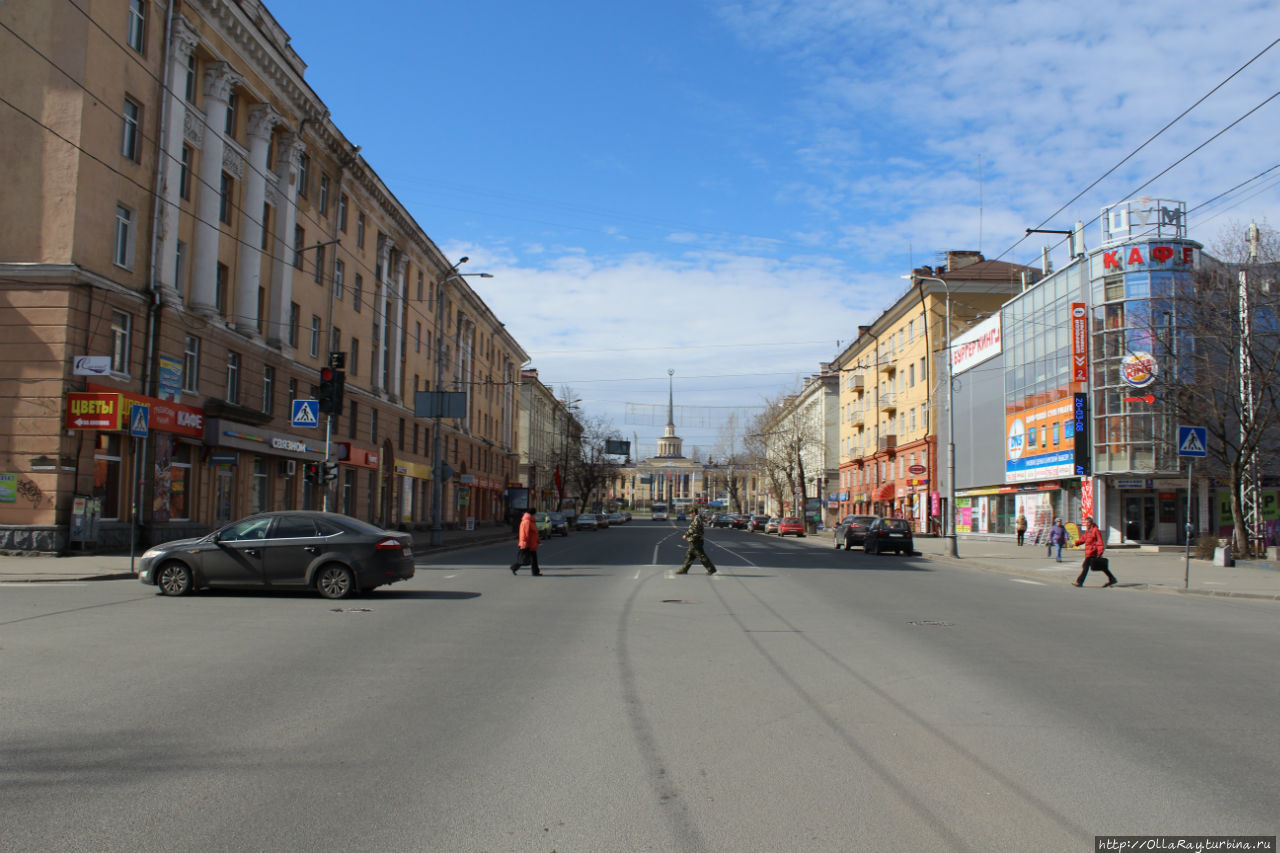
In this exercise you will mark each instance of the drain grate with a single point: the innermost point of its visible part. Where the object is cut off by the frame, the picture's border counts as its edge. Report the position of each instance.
(930, 623)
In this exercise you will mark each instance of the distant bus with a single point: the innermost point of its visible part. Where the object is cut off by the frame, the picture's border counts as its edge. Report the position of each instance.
(658, 512)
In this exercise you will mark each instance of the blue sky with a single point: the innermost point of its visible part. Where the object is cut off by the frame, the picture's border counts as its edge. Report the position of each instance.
(728, 189)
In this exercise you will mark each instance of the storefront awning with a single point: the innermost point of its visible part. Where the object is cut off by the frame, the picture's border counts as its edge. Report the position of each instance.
(887, 492)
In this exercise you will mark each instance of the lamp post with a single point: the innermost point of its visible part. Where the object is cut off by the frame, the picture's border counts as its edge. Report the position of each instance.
(437, 442)
(949, 519)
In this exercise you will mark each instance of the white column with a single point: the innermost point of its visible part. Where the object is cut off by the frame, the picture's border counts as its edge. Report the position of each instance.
(184, 41)
(397, 312)
(262, 121)
(281, 247)
(382, 307)
(218, 82)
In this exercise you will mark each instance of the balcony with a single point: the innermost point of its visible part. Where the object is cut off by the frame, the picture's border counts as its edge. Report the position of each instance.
(857, 383)
(857, 417)
(888, 402)
(888, 368)
(888, 442)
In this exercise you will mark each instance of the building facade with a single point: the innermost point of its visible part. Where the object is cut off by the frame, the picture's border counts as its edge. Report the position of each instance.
(191, 234)
(550, 436)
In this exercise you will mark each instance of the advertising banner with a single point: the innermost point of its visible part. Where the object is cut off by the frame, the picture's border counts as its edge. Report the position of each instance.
(1040, 442)
(976, 345)
(1079, 342)
(91, 410)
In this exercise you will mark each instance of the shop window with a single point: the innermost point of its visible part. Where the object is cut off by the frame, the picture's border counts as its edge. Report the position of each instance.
(107, 479)
(260, 496)
(180, 483)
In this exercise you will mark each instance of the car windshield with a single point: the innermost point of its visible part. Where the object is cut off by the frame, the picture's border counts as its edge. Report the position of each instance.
(541, 517)
(557, 516)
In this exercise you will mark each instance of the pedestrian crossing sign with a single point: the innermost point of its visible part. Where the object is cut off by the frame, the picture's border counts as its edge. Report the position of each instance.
(1193, 441)
(306, 413)
(139, 420)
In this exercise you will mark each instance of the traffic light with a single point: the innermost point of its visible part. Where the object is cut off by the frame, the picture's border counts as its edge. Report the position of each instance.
(324, 391)
(312, 474)
(330, 471)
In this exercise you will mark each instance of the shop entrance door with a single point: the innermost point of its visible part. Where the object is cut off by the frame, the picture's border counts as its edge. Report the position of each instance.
(1139, 517)
(222, 495)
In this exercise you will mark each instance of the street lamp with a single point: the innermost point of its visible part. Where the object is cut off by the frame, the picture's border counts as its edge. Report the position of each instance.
(437, 443)
(949, 520)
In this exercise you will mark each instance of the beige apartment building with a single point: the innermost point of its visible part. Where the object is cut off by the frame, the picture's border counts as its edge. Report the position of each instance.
(550, 436)
(892, 390)
(186, 230)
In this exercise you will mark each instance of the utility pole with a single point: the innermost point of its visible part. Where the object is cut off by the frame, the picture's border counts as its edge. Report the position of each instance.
(1250, 482)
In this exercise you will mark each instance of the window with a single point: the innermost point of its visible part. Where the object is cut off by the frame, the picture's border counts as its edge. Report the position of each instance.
(299, 238)
(130, 135)
(400, 439)
(137, 35)
(342, 213)
(318, 275)
(373, 426)
(233, 377)
(121, 325)
(180, 483)
(107, 478)
(227, 186)
(268, 388)
(315, 336)
(339, 277)
(417, 337)
(180, 268)
(911, 374)
(266, 226)
(357, 292)
(293, 391)
(123, 253)
(192, 76)
(233, 110)
(335, 340)
(295, 317)
(184, 174)
(221, 278)
(324, 195)
(191, 364)
(304, 175)
(360, 230)
(258, 491)
(419, 287)
(355, 356)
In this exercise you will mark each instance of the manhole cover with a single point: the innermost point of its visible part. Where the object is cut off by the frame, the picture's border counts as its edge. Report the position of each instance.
(930, 623)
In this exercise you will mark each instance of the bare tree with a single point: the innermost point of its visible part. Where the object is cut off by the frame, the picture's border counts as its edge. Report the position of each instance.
(781, 437)
(1214, 361)
(593, 470)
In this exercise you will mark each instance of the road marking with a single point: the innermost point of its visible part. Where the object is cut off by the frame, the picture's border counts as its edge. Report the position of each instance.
(1023, 580)
(448, 577)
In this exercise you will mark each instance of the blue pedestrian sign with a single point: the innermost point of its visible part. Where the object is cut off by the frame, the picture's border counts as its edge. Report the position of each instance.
(139, 420)
(306, 413)
(1193, 441)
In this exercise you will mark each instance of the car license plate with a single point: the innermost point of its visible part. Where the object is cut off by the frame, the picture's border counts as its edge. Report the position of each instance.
(895, 535)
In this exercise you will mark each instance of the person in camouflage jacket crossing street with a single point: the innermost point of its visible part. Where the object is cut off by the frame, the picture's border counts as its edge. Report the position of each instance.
(694, 537)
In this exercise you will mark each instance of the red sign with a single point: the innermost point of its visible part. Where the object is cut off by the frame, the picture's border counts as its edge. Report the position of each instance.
(92, 410)
(917, 469)
(1079, 342)
(166, 415)
(1086, 497)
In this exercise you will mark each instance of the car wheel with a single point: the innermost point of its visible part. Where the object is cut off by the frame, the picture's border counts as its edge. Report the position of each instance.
(836, 542)
(335, 581)
(174, 579)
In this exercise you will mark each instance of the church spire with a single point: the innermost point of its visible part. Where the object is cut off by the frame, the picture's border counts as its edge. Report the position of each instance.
(670, 445)
(671, 407)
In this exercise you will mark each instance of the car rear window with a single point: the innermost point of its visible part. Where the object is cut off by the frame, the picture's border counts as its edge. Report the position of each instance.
(896, 524)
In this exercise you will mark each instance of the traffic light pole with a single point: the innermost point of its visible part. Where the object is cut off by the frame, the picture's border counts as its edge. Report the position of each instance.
(328, 431)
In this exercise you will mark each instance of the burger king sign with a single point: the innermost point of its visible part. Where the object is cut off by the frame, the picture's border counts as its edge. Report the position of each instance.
(1138, 369)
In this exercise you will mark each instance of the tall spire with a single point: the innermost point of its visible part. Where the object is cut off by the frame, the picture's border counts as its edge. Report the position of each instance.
(670, 445)
(671, 407)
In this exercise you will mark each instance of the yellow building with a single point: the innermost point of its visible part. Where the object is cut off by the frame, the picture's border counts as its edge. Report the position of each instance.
(186, 229)
(892, 390)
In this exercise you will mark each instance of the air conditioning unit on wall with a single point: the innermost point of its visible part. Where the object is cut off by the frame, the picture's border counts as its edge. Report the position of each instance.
(288, 467)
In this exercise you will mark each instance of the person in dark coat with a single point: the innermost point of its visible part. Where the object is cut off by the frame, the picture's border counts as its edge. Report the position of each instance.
(1093, 549)
(1021, 526)
(1057, 537)
(694, 537)
(528, 545)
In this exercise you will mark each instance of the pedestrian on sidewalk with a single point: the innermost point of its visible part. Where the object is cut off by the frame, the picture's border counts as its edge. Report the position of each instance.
(1057, 537)
(694, 537)
(1022, 527)
(1093, 559)
(528, 545)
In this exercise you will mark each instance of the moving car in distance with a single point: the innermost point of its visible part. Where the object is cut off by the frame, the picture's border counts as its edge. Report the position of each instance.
(658, 512)
(616, 518)
(757, 523)
(851, 530)
(791, 526)
(889, 534)
(739, 521)
(771, 526)
(542, 521)
(335, 554)
(587, 521)
(721, 520)
(559, 524)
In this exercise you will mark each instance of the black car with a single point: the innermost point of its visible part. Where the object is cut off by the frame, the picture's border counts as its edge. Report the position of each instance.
(756, 523)
(721, 520)
(888, 534)
(559, 524)
(851, 530)
(739, 521)
(336, 555)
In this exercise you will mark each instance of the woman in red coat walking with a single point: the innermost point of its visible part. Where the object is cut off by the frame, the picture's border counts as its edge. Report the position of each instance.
(528, 545)
(1093, 559)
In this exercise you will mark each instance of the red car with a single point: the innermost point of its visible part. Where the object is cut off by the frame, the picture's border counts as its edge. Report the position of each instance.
(791, 525)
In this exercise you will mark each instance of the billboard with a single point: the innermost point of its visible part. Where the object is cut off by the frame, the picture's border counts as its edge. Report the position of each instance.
(1040, 442)
(976, 345)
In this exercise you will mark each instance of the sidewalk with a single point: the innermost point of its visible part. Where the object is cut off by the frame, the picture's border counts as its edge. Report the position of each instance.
(46, 568)
(1134, 568)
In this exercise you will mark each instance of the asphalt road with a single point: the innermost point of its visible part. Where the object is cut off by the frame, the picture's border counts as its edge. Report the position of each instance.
(803, 699)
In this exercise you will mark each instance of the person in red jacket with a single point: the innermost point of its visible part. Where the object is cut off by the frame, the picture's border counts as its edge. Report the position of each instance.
(528, 545)
(1093, 559)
